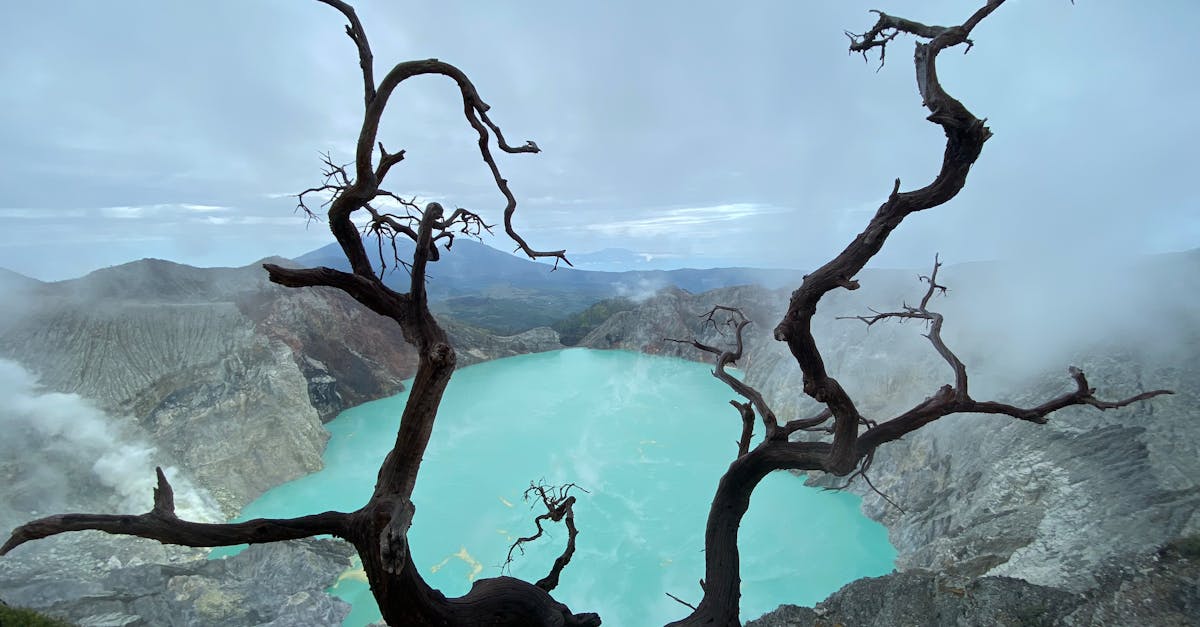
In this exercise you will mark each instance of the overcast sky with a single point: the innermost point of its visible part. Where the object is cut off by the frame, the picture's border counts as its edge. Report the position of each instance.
(715, 131)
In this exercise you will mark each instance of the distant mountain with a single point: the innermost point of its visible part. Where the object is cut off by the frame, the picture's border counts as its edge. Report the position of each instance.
(159, 280)
(209, 362)
(508, 294)
(470, 268)
(8, 278)
(475, 268)
(15, 290)
(623, 259)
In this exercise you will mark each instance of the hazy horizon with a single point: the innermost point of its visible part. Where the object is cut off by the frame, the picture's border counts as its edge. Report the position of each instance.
(746, 136)
(672, 263)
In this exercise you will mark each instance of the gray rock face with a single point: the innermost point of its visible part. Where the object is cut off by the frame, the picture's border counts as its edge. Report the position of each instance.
(985, 495)
(216, 374)
(475, 345)
(211, 363)
(139, 583)
(921, 598)
(1157, 589)
(185, 365)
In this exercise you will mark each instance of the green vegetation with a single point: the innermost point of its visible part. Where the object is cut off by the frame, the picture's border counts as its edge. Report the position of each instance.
(18, 617)
(509, 311)
(573, 328)
(1186, 546)
(503, 316)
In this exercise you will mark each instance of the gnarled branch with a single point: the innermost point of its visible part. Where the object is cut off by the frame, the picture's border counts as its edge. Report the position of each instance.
(965, 135)
(161, 524)
(559, 504)
(956, 399)
(728, 357)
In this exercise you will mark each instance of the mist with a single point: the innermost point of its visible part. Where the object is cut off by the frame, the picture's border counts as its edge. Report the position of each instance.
(62, 453)
(641, 289)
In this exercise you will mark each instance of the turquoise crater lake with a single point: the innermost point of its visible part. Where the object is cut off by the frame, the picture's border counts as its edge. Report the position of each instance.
(647, 436)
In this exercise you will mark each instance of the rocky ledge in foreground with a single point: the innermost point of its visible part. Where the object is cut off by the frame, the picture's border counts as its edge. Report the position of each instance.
(138, 583)
(1159, 589)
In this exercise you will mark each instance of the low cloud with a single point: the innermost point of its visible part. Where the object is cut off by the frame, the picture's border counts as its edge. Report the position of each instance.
(684, 221)
(204, 208)
(157, 210)
(641, 290)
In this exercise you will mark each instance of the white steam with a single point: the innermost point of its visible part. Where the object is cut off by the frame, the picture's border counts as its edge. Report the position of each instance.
(87, 447)
(641, 290)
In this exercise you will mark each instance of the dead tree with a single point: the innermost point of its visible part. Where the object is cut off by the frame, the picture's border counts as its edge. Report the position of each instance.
(379, 530)
(855, 437)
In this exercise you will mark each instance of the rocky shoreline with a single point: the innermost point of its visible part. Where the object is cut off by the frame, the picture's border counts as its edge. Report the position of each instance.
(193, 369)
(999, 518)
(988, 500)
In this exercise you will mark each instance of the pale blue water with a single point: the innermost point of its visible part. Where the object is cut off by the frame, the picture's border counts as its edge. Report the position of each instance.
(647, 436)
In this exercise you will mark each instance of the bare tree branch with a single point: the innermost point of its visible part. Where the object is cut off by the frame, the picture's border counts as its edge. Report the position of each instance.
(747, 412)
(808, 424)
(935, 320)
(161, 524)
(680, 601)
(726, 357)
(956, 399)
(380, 528)
(356, 33)
(559, 504)
(965, 136)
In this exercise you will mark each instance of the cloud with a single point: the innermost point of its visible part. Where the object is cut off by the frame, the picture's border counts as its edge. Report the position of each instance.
(125, 213)
(641, 290)
(204, 208)
(295, 220)
(158, 210)
(683, 221)
(551, 200)
(705, 120)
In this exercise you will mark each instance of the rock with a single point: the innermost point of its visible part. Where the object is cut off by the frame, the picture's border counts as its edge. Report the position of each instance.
(207, 364)
(273, 584)
(475, 345)
(986, 495)
(215, 374)
(1155, 589)
(166, 351)
(922, 598)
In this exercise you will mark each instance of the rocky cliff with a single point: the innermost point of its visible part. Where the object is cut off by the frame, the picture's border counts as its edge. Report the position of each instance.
(210, 363)
(1156, 589)
(986, 496)
(216, 374)
(196, 369)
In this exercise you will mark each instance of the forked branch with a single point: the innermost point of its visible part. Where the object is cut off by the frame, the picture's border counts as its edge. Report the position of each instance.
(956, 398)
(933, 318)
(352, 193)
(965, 136)
(852, 445)
(724, 317)
(559, 504)
(161, 524)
